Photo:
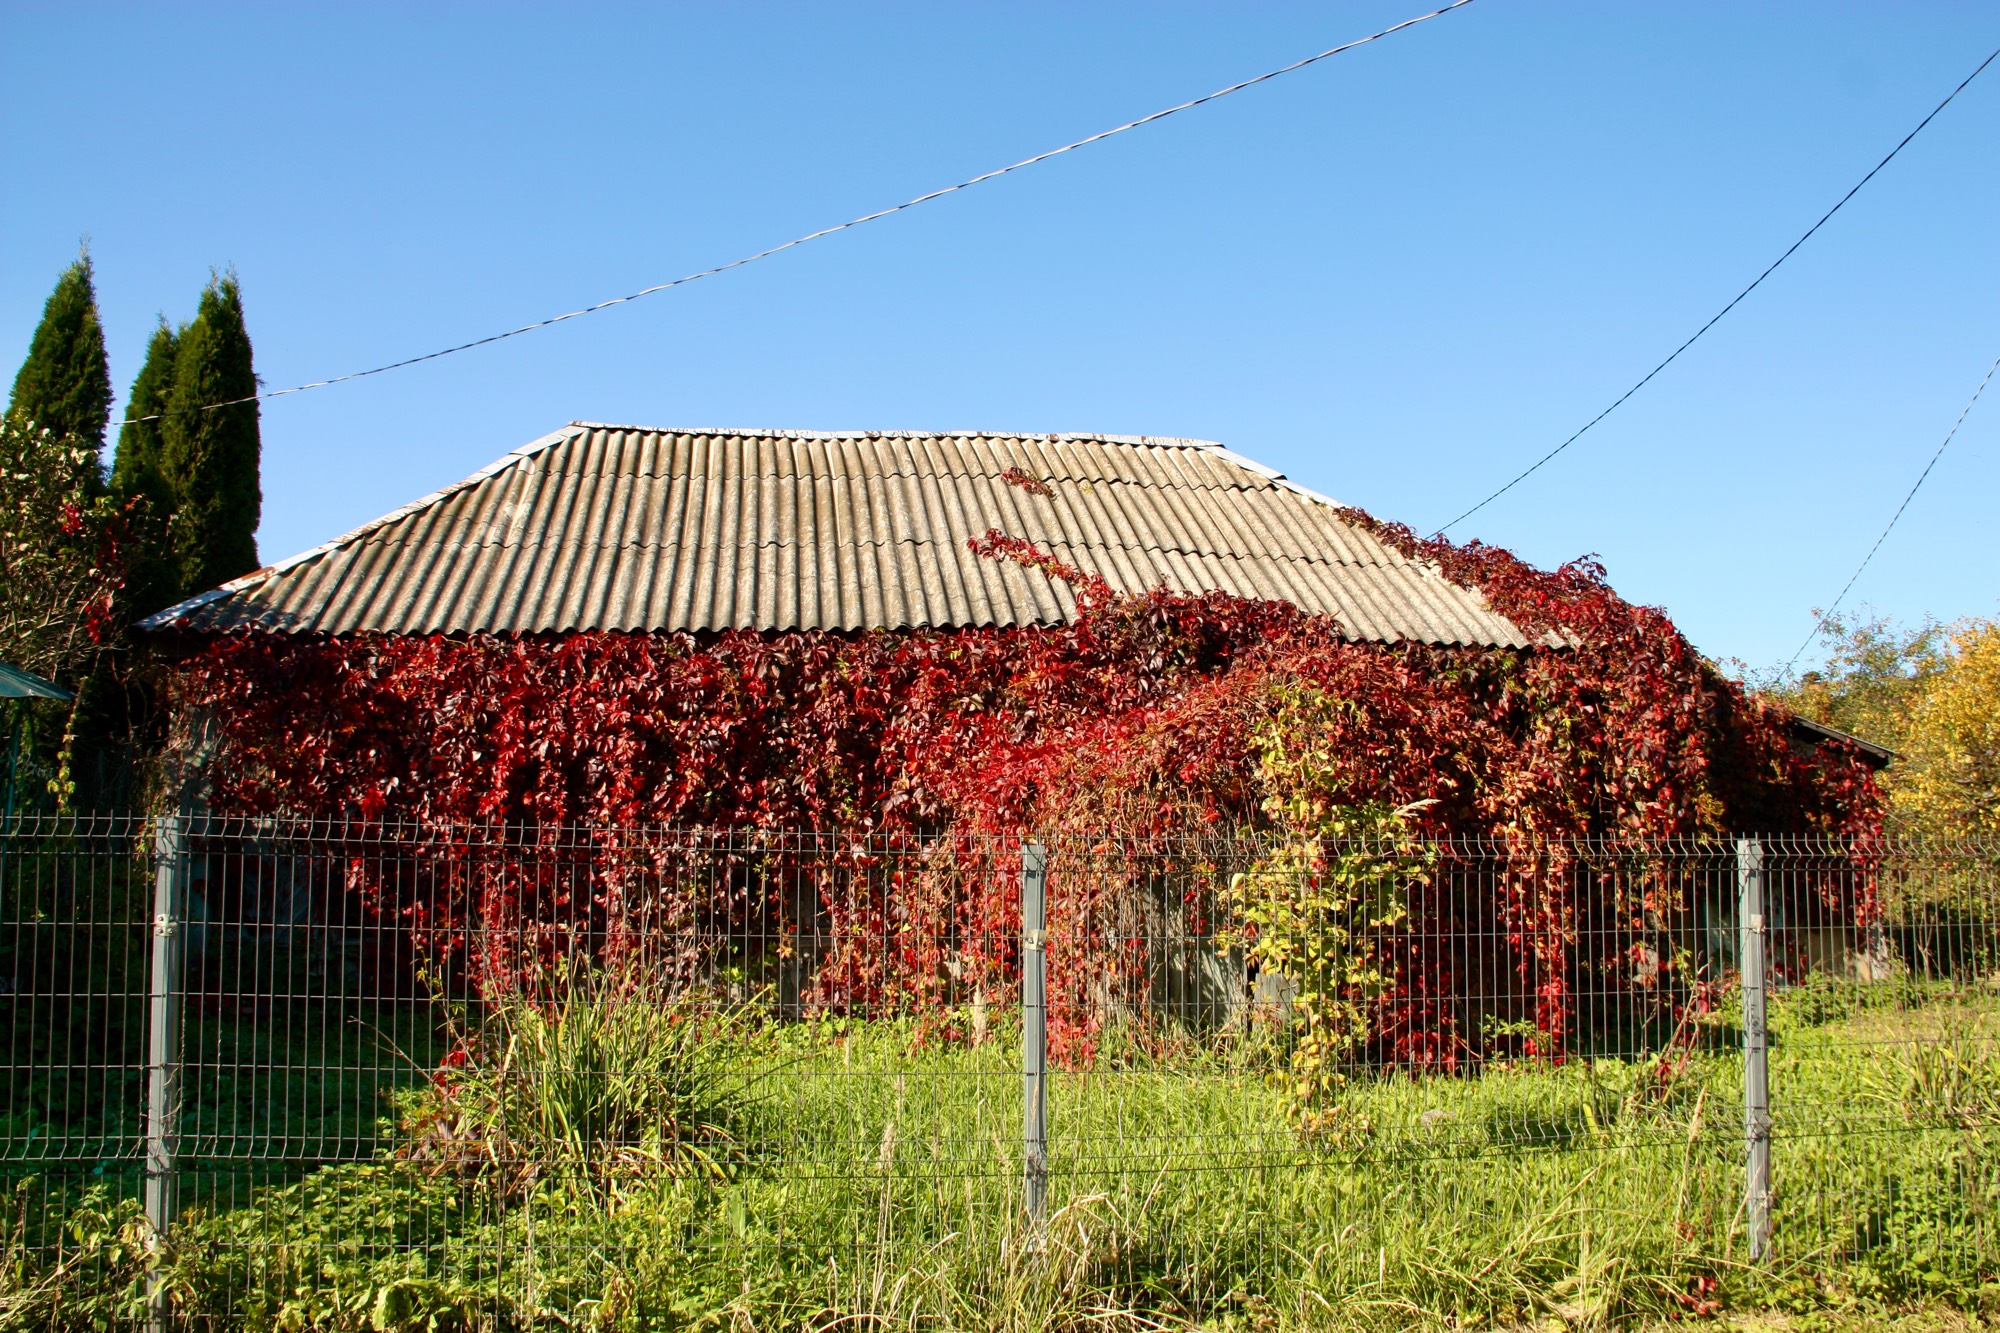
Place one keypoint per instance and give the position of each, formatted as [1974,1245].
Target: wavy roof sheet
[622,528]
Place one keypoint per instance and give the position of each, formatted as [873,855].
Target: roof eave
[1878,756]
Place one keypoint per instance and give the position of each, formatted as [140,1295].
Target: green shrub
[599,1079]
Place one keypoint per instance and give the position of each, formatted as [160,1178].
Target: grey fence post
[1750,919]
[1034,1031]
[163,1043]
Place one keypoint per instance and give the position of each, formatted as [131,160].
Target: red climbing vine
[1146,716]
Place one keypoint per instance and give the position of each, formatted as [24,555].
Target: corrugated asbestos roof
[624,528]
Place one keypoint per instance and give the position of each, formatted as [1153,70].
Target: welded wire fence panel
[1299,1063]
[1885,1061]
[74,936]
[505,1076]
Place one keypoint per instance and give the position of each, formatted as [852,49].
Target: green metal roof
[18,684]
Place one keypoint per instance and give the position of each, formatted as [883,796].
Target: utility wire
[1734,302]
[1827,614]
[828,231]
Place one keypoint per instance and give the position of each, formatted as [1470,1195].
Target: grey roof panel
[624,528]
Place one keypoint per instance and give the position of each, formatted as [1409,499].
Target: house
[617,628]
[633,529]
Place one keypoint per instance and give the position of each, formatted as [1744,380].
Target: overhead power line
[848,225]
[1827,614]
[1716,318]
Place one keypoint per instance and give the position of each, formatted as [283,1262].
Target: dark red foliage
[1021,480]
[1136,719]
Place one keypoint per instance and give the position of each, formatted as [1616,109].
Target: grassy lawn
[854,1174]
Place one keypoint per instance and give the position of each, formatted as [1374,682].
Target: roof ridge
[790,433]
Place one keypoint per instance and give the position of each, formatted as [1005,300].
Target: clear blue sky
[1397,276]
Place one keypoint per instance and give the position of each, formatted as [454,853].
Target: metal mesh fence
[267,1073]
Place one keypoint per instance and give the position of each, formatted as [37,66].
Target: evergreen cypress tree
[210,455]
[153,582]
[136,469]
[65,384]
[64,387]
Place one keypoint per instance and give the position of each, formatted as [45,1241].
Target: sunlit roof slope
[625,528]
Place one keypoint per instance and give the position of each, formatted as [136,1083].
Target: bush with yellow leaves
[1947,781]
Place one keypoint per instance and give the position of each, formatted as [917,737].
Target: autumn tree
[1874,673]
[1948,781]
[1929,692]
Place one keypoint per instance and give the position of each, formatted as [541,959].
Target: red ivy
[1136,719]
[1021,480]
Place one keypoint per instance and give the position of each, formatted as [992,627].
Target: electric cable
[1827,614]
[794,243]
[1734,302]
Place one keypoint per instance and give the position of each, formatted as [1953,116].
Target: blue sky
[1397,276]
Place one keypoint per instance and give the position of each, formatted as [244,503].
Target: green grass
[854,1175]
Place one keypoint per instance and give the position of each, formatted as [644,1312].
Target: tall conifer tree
[153,582]
[210,455]
[65,384]
[64,387]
